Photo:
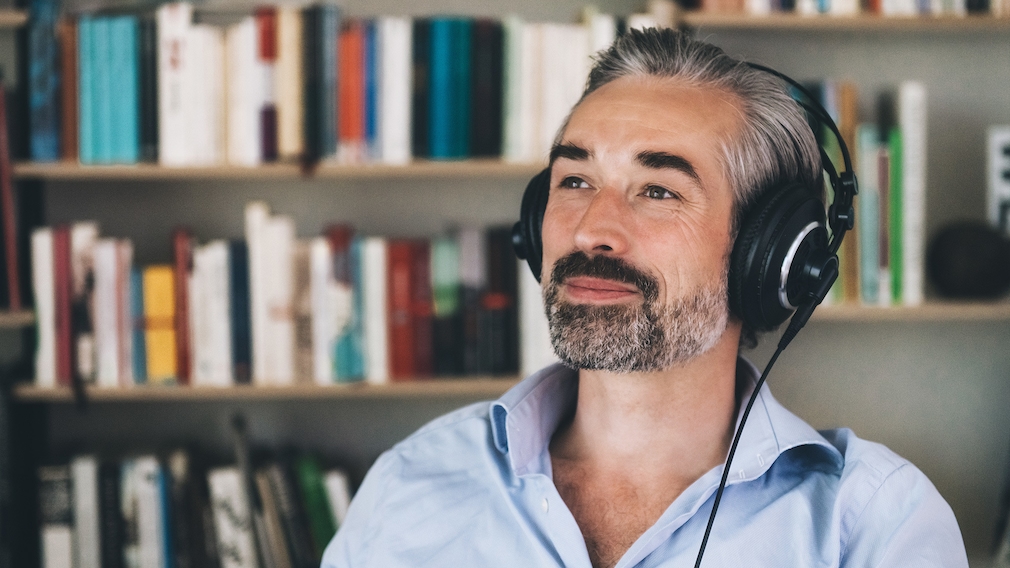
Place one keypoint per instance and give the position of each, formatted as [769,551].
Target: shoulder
[889,512]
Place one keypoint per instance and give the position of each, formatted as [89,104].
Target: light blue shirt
[474,489]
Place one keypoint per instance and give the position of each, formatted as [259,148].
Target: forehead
[634,114]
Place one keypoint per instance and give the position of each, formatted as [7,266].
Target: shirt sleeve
[905,523]
[350,546]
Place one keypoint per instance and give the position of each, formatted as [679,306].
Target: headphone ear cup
[775,239]
[526,234]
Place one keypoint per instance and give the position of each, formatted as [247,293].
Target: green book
[895,214]
[322,527]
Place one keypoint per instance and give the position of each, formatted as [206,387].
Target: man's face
[637,228]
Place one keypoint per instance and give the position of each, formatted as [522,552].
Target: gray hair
[775,144]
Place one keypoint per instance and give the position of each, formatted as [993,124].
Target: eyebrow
[663,160]
[570,152]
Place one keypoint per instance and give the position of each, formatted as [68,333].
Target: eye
[656,192]
[572,182]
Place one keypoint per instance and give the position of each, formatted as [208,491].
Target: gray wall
[933,392]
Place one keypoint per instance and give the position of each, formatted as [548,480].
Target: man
[613,458]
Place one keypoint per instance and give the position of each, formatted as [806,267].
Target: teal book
[43,82]
[139,340]
[868,203]
[101,88]
[124,84]
[895,214]
[350,344]
[85,92]
[441,107]
[461,87]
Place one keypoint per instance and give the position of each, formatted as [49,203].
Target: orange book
[351,97]
[399,300]
[159,315]
[66,36]
[182,248]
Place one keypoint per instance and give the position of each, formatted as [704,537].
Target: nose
[603,226]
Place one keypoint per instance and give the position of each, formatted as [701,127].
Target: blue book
[371,71]
[101,89]
[241,326]
[167,524]
[43,84]
[139,341]
[124,86]
[85,92]
[440,87]
[350,351]
[461,58]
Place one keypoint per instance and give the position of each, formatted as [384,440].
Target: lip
[586,289]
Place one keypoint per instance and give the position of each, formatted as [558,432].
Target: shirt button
[545,505]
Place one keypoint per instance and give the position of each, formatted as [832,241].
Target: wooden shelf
[15,320]
[12,18]
[65,171]
[787,22]
[933,311]
[474,387]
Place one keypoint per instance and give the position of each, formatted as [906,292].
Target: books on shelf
[274,309]
[169,510]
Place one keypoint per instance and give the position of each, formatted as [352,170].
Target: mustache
[579,263]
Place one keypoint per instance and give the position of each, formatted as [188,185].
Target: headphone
[783,258]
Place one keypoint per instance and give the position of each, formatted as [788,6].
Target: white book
[555,102]
[87,534]
[912,120]
[376,330]
[279,237]
[530,98]
[243,94]
[338,493]
[257,215]
[43,287]
[394,39]
[148,478]
[323,292]
[288,83]
[211,316]
[129,508]
[232,518]
[512,30]
[106,310]
[172,23]
[535,349]
[206,94]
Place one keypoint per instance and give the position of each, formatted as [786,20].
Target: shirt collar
[524,419]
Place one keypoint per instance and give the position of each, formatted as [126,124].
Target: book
[182,268]
[351,96]
[499,331]
[66,36]
[107,308]
[277,553]
[279,238]
[232,519]
[912,121]
[87,523]
[321,525]
[473,279]
[211,318]
[291,513]
[266,57]
[110,515]
[348,312]
[303,313]
[288,80]
[449,88]
[868,207]
[174,68]
[849,260]
[369,149]
[83,237]
[421,308]
[44,287]
[123,90]
[338,492]
[399,287]
[138,326]
[101,89]
[243,94]
[486,87]
[10,217]
[446,306]
[375,327]
[63,298]
[321,24]
[241,326]
[147,69]
[159,315]
[394,41]
[206,96]
[43,82]
[421,84]
[153,530]
[325,301]
[85,90]
[56,516]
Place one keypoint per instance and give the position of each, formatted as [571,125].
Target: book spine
[447,334]
[123,89]
[374,266]
[460,59]
[266,51]
[895,208]
[67,36]
[440,89]
[10,221]
[106,311]
[399,298]
[159,308]
[85,90]
[241,347]
[102,88]
[151,528]
[421,86]
[43,83]
[348,356]
[317,512]
[371,73]
[331,78]
[289,81]
[302,311]
[124,311]
[111,516]
[139,327]
[56,517]
[421,309]
[394,115]
[312,97]
[324,296]
[352,92]
[44,288]
[87,541]
[912,118]
[173,23]
[232,519]
[486,101]
[63,287]
[147,62]
[867,150]
[182,247]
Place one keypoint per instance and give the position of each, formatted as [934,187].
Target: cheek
[556,234]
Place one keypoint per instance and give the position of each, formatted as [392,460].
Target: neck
[674,424]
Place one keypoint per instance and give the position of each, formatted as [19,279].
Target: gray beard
[640,337]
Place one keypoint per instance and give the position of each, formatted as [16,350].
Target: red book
[7,203]
[266,29]
[400,266]
[63,296]
[351,97]
[182,248]
[421,310]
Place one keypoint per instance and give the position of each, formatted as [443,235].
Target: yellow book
[159,314]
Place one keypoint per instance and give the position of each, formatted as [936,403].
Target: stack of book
[273,309]
[891,8]
[883,259]
[149,511]
[302,84]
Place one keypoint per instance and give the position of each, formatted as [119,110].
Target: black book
[487,52]
[499,321]
[419,102]
[110,515]
[311,95]
[189,502]
[241,324]
[292,515]
[147,50]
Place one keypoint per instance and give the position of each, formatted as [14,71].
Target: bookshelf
[930,381]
